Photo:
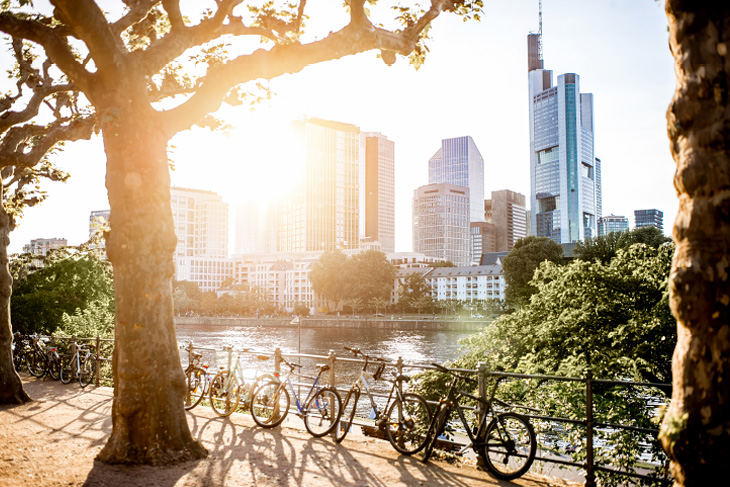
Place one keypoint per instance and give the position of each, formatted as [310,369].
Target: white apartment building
[201,226]
[41,246]
[471,283]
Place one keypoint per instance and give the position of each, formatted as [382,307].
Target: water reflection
[414,346]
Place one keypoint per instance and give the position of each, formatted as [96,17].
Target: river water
[414,346]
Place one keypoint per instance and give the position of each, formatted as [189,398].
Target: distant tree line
[235,300]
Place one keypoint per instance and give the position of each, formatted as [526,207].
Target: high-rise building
[599,189]
[483,237]
[649,218]
[201,226]
[248,236]
[441,222]
[459,162]
[377,219]
[323,213]
[98,220]
[612,223]
[563,176]
[506,210]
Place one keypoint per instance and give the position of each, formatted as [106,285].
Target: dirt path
[53,441]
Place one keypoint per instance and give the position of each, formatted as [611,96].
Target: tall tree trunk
[696,429]
[149,423]
[11,387]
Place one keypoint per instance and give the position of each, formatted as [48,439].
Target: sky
[474,82]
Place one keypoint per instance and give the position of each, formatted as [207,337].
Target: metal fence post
[482,385]
[590,474]
[73,354]
[98,362]
[277,363]
[331,358]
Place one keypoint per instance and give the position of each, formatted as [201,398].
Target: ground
[53,440]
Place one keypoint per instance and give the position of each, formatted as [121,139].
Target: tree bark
[148,417]
[11,387]
[696,430]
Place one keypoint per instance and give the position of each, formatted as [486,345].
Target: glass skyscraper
[459,162]
[649,218]
[612,223]
[564,173]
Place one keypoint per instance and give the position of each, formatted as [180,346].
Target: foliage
[612,317]
[97,319]
[520,264]
[301,309]
[605,247]
[359,279]
[65,283]
[415,294]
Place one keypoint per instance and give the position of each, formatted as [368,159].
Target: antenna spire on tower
[539,33]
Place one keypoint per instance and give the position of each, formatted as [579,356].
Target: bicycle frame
[314,388]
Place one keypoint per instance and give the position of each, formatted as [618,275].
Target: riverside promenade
[53,440]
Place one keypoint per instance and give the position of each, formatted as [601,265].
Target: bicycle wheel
[36,364]
[437,427]
[270,404]
[65,373]
[86,374]
[510,446]
[408,423]
[196,379]
[348,412]
[322,412]
[223,393]
[54,368]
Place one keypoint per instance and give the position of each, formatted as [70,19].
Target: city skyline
[622,59]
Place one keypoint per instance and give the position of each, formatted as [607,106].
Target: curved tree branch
[138,12]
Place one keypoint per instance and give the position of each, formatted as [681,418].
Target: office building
[441,222]
[323,212]
[565,185]
[459,162]
[649,218]
[201,225]
[612,223]
[483,239]
[249,235]
[506,211]
[377,219]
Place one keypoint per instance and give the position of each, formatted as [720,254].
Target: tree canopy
[520,264]
[605,247]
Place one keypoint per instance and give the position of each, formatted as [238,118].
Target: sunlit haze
[474,83]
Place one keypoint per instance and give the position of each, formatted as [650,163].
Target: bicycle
[21,348]
[230,383]
[507,444]
[43,358]
[81,367]
[196,378]
[323,406]
[404,418]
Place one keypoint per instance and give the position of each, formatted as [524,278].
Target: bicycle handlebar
[447,371]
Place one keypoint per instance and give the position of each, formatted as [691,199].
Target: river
[414,346]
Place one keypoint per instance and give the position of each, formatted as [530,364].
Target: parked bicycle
[320,409]
[506,444]
[81,365]
[196,377]
[21,348]
[233,385]
[43,358]
[404,418]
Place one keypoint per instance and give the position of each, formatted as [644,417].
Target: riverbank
[52,442]
[338,322]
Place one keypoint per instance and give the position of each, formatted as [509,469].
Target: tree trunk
[11,387]
[696,429]
[149,422]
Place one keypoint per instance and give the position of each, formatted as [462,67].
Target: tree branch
[89,24]
[56,47]
[135,14]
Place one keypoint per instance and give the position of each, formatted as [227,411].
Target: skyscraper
[378,208]
[649,218]
[506,210]
[441,222]
[323,213]
[459,162]
[563,176]
[612,223]
[249,235]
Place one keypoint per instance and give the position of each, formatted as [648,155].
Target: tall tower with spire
[563,180]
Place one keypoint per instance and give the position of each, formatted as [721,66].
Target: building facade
[506,210]
[248,232]
[377,220]
[459,162]
[612,223]
[41,246]
[323,213]
[470,283]
[649,218]
[563,176]
[483,239]
[201,225]
[441,222]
